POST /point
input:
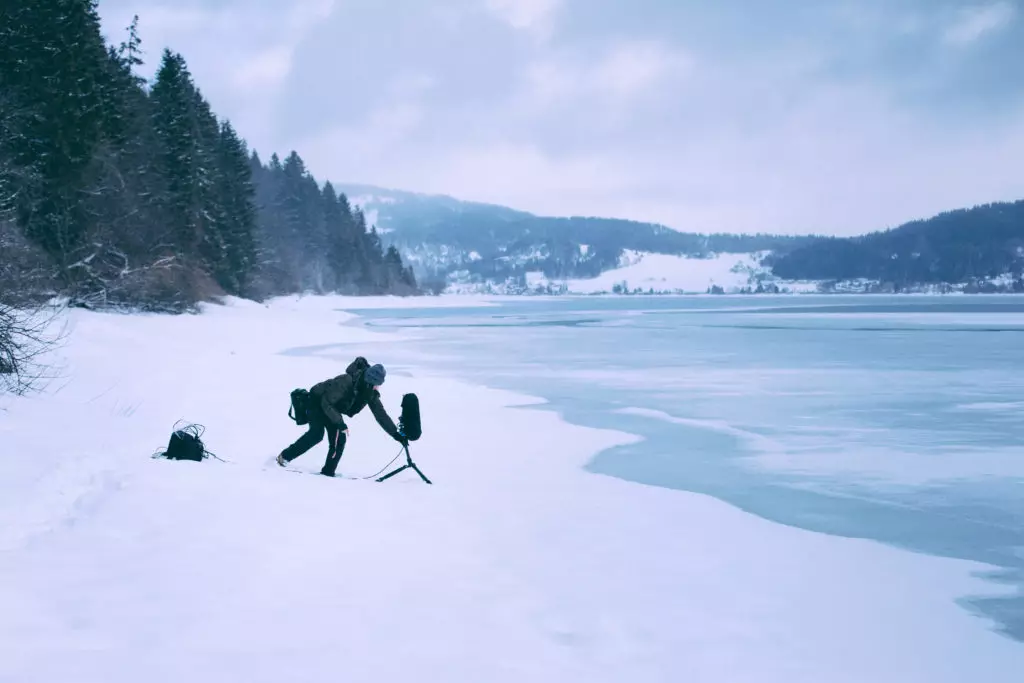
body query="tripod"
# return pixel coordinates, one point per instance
(408, 463)
(409, 428)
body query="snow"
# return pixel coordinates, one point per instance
(893, 465)
(372, 215)
(643, 272)
(536, 278)
(365, 200)
(335, 304)
(516, 565)
(675, 274)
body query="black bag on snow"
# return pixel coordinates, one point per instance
(299, 410)
(409, 422)
(186, 444)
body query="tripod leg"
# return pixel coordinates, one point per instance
(393, 473)
(408, 463)
(422, 476)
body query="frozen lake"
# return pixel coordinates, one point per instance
(899, 419)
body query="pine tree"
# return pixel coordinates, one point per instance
(175, 123)
(311, 238)
(145, 197)
(51, 60)
(393, 268)
(129, 52)
(409, 279)
(319, 274)
(14, 180)
(274, 262)
(212, 219)
(128, 234)
(237, 195)
(375, 277)
(345, 254)
(364, 277)
(334, 247)
(296, 220)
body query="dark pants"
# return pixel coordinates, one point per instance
(318, 424)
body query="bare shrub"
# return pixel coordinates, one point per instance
(26, 335)
(107, 278)
(27, 274)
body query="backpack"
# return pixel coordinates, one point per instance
(356, 367)
(187, 444)
(299, 409)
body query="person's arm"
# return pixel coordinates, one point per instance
(333, 392)
(382, 417)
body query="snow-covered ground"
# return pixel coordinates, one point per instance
(645, 272)
(516, 565)
(666, 273)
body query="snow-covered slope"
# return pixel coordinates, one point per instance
(516, 565)
(644, 272)
(669, 273)
(478, 247)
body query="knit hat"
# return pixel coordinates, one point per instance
(375, 375)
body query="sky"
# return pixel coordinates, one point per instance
(789, 117)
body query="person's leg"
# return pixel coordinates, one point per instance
(312, 437)
(337, 447)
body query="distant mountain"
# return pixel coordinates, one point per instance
(446, 239)
(472, 246)
(978, 249)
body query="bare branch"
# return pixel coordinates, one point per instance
(26, 335)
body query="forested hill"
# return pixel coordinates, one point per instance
(117, 192)
(441, 235)
(962, 246)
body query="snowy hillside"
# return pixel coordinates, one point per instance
(665, 273)
(643, 273)
(472, 247)
(482, 247)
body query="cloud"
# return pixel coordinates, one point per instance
(973, 23)
(237, 19)
(516, 173)
(844, 159)
(624, 71)
(266, 69)
(535, 16)
(301, 14)
(786, 117)
(226, 42)
(631, 68)
(380, 138)
(240, 52)
(409, 84)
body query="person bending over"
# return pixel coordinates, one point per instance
(331, 401)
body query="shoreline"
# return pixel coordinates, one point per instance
(516, 565)
(604, 462)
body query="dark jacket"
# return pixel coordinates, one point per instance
(347, 394)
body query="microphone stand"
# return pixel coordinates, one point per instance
(408, 464)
